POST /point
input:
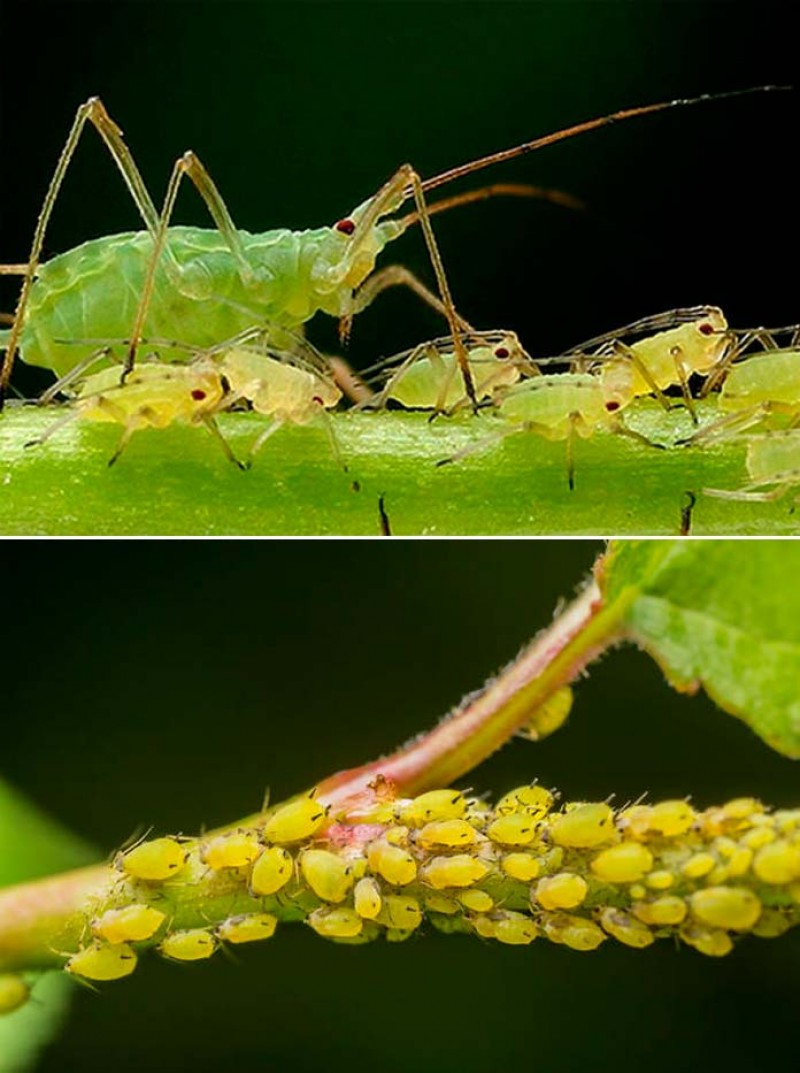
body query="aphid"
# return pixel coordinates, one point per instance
(131, 924)
(773, 467)
(336, 923)
(520, 866)
(478, 901)
(670, 818)
(534, 801)
(440, 903)
(193, 944)
(400, 911)
(733, 908)
(713, 942)
(156, 859)
(584, 826)
(367, 898)
(513, 829)
(432, 805)
(392, 863)
(777, 863)
(624, 863)
(247, 928)
(328, 875)
(98, 962)
(549, 717)
(626, 928)
(153, 396)
(514, 929)
(695, 346)
(295, 822)
(428, 376)
(661, 912)
(234, 850)
(558, 406)
(272, 871)
(771, 924)
(698, 865)
(14, 992)
(203, 286)
(573, 931)
(458, 871)
(561, 891)
(661, 879)
(449, 833)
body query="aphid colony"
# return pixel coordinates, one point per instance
(525, 869)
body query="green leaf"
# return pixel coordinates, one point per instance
(722, 615)
(32, 845)
(176, 480)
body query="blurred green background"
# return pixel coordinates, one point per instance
(301, 110)
(169, 683)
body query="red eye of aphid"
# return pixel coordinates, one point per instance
(501, 352)
(706, 329)
(318, 400)
(347, 227)
(198, 395)
(612, 406)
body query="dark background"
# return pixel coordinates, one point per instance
(301, 110)
(169, 683)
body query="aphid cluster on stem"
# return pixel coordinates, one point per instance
(526, 869)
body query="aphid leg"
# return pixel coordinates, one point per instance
(94, 111)
(334, 443)
(398, 276)
(734, 423)
(55, 427)
(619, 428)
(47, 396)
(680, 374)
(134, 423)
(572, 421)
(213, 428)
(261, 439)
(748, 493)
(350, 382)
(628, 352)
(720, 370)
(486, 442)
(187, 165)
(686, 514)
(13, 270)
(383, 516)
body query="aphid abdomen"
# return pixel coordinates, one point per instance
(762, 378)
(549, 401)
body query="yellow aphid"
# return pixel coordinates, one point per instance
(661, 879)
(574, 932)
(235, 850)
(248, 927)
(739, 862)
(778, 862)
(584, 826)
(520, 866)
(637, 891)
(396, 836)
(194, 944)
(635, 821)
(698, 865)
(742, 808)
(458, 871)
(788, 820)
(533, 800)
(513, 829)
(671, 818)
(132, 924)
(625, 863)
(328, 875)
(367, 898)
(758, 837)
(562, 891)
(433, 805)
(477, 901)
(448, 833)
(338, 923)
(484, 926)
(514, 929)
(160, 858)
(272, 871)
(626, 928)
(14, 992)
(400, 911)
(771, 924)
(103, 962)
(736, 908)
(549, 717)
(394, 864)
(296, 821)
(661, 912)
(440, 903)
(709, 941)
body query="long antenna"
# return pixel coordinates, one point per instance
(582, 128)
